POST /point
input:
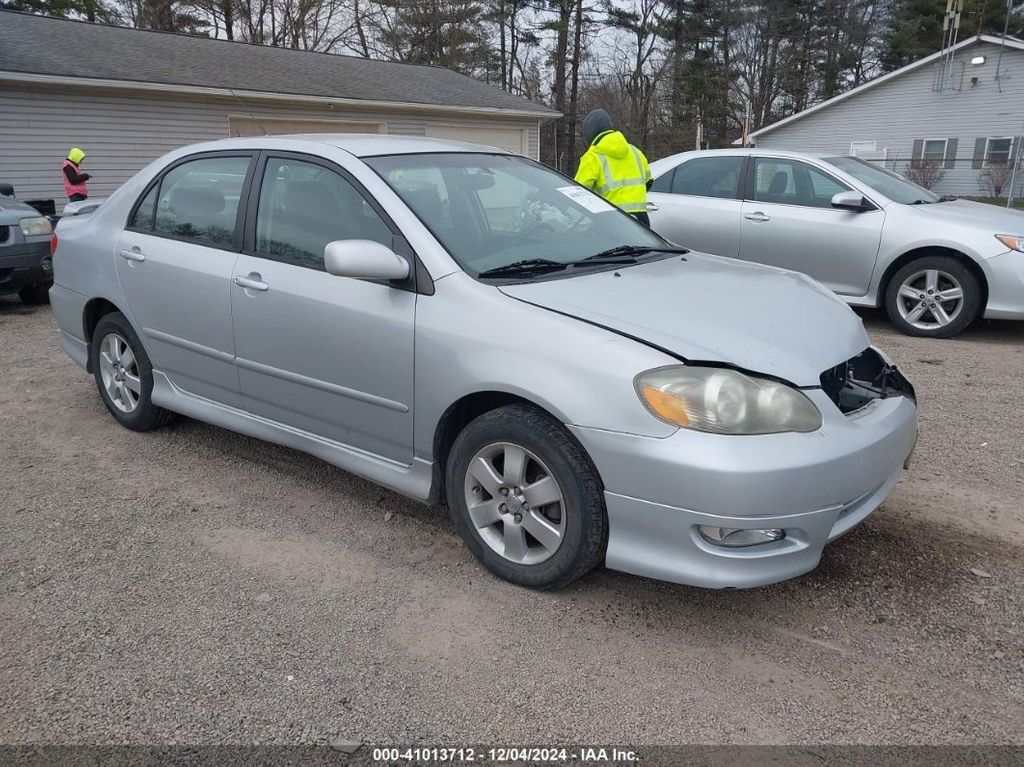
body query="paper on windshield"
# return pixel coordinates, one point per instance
(581, 196)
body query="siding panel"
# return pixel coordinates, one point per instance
(907, 109)
(122, 133)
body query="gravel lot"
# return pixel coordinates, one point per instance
(194, 586)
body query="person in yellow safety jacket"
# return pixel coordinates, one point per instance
(613, 167)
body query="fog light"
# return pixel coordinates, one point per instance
(46, 264)
(735, 538)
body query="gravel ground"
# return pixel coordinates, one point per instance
(194, 586)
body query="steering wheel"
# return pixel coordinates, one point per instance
(534, 229)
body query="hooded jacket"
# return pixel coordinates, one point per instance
(617, 171)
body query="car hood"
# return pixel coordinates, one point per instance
(15, 209)
(711, 309)
(992, 219)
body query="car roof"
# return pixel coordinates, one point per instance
(358, 144)
(666, 162)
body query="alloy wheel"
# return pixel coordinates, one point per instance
(119, 371)
(515, 503)
(930, 299)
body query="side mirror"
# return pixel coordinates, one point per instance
(364, 260)
(850, 201)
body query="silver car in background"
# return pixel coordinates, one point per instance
(459, 323)
(934, 263)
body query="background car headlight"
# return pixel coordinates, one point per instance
(1012, 241)
(725, 401)
(32, 227)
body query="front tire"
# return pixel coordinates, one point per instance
(933, 297)
(34, 295)
(525, 498)
(124, 375)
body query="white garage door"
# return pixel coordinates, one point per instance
(252, 126)
(513, 139)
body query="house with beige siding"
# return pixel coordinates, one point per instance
(127, 96)
(958, 113)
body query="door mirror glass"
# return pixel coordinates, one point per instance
(364, 260)
(849, 201)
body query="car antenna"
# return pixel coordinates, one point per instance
(249, 111)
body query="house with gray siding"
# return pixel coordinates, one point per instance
(127, 96)
(957, 115)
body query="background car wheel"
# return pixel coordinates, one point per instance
(35, 294)
(934, 296)
(525, 498)
(124, 375)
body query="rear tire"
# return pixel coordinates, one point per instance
(500, 464)
(933, 297)
(34, 295)
(124, 375)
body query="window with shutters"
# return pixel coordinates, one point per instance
(998, 151)
(934, 150)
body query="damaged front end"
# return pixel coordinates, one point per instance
(860, 380)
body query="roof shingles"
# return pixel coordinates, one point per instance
(58, 47)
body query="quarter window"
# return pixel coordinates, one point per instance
(998, 151)
(142, 219)
(709, 177)
(790, 182)
(303, 206)
(198, 200)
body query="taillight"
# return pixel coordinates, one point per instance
(53, 243)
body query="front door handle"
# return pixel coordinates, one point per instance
(251, 282)
(132, 255)
(652, 206)
(758, 216)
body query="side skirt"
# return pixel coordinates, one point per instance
(413, 480)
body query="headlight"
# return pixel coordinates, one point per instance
(724, 401)
(1012, 241)
(32, 227)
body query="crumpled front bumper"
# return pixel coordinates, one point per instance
(813, 486)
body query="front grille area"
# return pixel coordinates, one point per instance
(862, 379)
(5, 233)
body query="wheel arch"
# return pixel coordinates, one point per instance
(933, 250)
(95, 310)
(464, 410)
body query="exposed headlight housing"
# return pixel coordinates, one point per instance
(1012, 241)
(724, 401)
(33, 227)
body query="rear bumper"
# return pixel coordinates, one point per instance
(68, 308)
(26, 263)
(814, 487)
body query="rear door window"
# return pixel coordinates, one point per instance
(709, 177)
(198, 200)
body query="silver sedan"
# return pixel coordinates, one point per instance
(462, 324)
(873, 237)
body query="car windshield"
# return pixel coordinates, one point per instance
(495, 211)
(896, 188)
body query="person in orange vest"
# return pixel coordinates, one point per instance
(74, 180)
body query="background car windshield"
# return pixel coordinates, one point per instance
(494, 210)
(896, 188)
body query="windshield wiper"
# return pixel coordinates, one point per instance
(628, 254)
(524, 268)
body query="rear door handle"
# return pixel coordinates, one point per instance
(252, 282)
(132, 255)
(759, 217)
(652, 206)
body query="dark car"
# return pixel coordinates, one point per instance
(25, 266)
